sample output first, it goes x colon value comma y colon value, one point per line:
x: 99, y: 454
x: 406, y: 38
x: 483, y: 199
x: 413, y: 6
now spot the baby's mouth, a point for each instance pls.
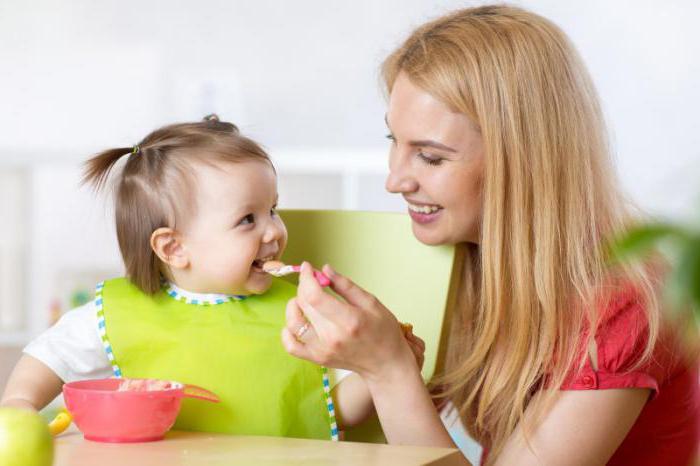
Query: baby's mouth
x: 258, y: 263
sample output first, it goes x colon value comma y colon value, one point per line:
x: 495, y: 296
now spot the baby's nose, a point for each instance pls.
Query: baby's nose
x: 272, y: 233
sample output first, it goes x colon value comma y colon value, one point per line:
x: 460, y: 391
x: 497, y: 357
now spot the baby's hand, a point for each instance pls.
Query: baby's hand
x: 416, y: 344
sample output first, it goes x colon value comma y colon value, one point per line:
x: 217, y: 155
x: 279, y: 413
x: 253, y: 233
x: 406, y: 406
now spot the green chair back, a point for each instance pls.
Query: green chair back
x: 379, y: 252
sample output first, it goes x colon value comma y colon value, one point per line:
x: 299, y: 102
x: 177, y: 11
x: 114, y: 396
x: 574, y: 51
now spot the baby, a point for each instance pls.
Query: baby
x: 195, y: 218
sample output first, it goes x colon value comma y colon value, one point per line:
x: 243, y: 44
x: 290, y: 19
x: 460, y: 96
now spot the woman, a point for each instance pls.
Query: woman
x: 498, y: 146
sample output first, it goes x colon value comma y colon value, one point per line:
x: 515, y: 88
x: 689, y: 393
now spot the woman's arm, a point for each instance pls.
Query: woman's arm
x: 32, y: 385
x: 400, y: 397
x: 583, y: 428
x: 406, y: 410
x: 361, y: 335
x: 352, y: 398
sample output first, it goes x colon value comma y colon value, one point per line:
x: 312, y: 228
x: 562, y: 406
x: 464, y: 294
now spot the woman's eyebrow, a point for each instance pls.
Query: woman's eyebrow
x: 423, y: 142
x: 431, y: 143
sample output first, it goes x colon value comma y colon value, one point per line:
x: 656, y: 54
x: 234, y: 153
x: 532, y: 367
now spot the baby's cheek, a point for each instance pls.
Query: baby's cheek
x: 235, y: 272
x: 223, y: 269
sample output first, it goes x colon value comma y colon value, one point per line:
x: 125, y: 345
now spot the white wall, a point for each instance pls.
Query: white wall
x: 81, y: 75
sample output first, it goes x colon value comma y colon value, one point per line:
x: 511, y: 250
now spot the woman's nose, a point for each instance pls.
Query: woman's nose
x: 400, y: 179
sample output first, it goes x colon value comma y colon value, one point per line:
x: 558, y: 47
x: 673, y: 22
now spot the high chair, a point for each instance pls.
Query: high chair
x: 379, y: 252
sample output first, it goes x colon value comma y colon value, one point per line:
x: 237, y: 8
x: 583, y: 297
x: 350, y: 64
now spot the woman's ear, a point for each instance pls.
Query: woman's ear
x: 167, y: 244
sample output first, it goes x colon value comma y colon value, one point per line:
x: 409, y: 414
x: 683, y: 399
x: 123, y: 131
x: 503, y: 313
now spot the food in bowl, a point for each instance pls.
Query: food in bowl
x: 128, y: 410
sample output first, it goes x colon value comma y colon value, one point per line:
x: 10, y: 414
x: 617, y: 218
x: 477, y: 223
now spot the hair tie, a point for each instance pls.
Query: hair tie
x: 136, y: 149
x: 212, y: 117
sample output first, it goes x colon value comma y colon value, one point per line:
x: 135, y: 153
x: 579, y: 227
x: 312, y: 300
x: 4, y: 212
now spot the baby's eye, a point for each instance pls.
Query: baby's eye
x: 391, y: 138
x: 247, y: 220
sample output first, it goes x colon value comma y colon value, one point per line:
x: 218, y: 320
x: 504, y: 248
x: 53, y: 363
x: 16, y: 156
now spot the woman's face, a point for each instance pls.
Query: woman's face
x: 436, y: 163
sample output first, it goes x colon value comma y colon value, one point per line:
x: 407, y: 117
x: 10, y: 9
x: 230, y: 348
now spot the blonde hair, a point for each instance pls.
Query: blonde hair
x: 538, y: 278
x: 153, y: 189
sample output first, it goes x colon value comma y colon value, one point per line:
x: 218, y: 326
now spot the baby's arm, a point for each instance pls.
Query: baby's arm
x: 70, y: 350
x: 32, y: 385
x: 351, y: 397
x: 352, y: 400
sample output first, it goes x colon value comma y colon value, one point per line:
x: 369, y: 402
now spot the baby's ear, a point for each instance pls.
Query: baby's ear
x: 167, y: 245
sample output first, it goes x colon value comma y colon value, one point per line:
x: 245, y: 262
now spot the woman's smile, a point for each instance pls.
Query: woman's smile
x: 423, y: 213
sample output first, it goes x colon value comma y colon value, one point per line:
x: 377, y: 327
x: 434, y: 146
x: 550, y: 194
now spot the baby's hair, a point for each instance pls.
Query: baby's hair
x: 153, y: 188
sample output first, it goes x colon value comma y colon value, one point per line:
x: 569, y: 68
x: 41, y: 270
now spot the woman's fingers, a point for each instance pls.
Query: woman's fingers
x: 417, y: 346
x: 324, y: 311
x: 299, y: 337
x: 418, y: 349
x: 346, y: 288
x: 297, y: 324
x: 295, y: 317
x: 310, y: 295
x: 294, y: 346
x: 416, y: 340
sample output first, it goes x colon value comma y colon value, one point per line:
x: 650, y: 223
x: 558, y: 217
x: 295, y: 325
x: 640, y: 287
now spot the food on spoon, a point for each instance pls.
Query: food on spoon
x: 280, y: 269
x: 272, y: 267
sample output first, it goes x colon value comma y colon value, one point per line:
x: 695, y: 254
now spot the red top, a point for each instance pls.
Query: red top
x: 668, y: 428
x: 667, y: 431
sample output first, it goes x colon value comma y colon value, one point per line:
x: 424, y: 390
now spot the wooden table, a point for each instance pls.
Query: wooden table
x: 197, y: 448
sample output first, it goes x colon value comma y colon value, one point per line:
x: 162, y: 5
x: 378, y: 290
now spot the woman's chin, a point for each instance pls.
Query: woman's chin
x: 436, y: 237
x: 429, y: 236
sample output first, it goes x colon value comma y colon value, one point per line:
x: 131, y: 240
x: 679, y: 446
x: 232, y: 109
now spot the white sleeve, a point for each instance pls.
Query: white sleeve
x: 336, y: 375
x: 72, y: 348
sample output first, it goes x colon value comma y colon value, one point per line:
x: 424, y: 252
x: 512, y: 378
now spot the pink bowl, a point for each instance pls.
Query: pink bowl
x: 104, y: 414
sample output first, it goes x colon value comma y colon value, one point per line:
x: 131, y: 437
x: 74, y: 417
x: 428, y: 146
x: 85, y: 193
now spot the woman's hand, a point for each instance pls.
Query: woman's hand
x: 417, y: 346
x: 356, y: 333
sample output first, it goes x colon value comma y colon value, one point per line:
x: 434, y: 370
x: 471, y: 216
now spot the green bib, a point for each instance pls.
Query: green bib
x: 230, y: 347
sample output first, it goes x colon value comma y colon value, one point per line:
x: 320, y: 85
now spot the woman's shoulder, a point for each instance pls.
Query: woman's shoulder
x: 621, y: 354
x: 623, y: 330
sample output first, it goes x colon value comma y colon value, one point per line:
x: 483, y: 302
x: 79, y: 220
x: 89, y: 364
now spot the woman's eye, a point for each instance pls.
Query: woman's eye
x: 391, y: 138
x: 273, y: 211
x: 430, y: 160
x: 247, y: 220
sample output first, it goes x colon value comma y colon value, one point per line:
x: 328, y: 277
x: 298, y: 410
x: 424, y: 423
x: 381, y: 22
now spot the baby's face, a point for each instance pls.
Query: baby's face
x: 235, y: 228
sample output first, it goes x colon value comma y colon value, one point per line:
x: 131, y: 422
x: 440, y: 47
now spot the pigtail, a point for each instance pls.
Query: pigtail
x: 97, y: 169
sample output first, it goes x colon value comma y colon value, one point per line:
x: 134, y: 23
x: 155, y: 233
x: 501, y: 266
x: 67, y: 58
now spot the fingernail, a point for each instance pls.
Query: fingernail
x: 330, y: 270
x: 305, y: 266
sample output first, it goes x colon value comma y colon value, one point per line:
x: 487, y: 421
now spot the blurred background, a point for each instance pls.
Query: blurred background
x: 302, y: 78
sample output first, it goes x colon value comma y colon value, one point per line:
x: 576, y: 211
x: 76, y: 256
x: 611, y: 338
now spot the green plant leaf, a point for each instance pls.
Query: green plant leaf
x: 683, y: 284
x: 689, y: 267
x: 639, y: 241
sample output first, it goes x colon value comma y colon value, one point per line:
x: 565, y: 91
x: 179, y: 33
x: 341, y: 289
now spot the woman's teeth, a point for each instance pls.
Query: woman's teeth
x: 424, y: 209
